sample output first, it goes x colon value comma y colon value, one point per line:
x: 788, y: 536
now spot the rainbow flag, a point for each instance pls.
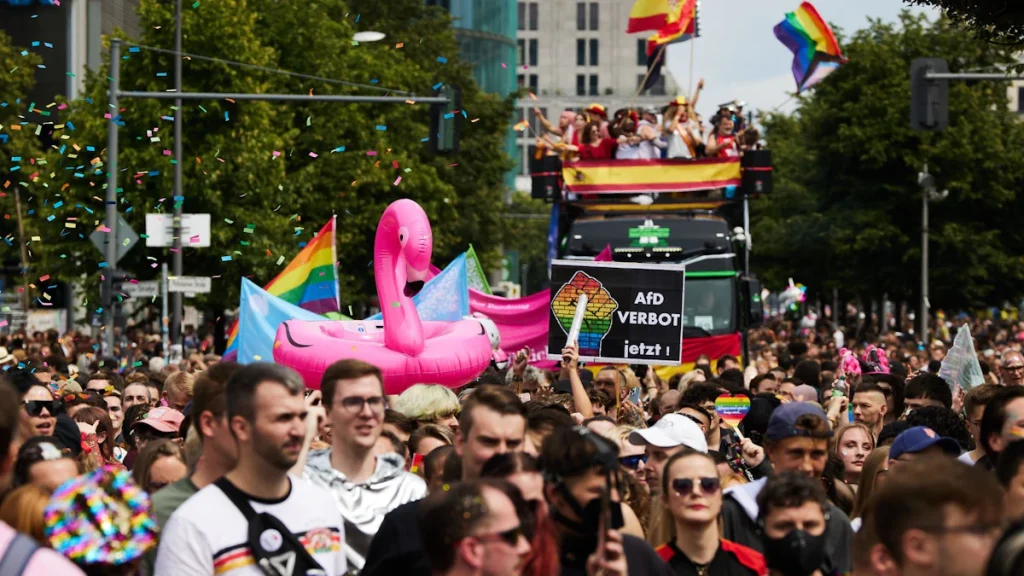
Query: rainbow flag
x: 816, y: 53
x: 310, y: 280
x: 648, y: 15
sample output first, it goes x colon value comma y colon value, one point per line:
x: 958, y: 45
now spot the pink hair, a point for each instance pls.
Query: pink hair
x: 876, y: 360
x: 848, y: 363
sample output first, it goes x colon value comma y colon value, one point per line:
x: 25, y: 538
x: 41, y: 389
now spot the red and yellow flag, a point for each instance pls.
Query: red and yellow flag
x: 682, y: 20
x: 648, y: 15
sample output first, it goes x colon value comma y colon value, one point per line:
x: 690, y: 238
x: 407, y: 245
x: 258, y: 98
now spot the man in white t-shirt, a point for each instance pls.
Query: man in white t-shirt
x: 209, y: 533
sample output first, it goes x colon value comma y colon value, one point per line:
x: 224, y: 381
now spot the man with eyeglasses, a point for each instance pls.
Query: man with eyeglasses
x: 1012, y: 368
x: 473, y: 529
x: 935, y: 516
x: 365, y: 486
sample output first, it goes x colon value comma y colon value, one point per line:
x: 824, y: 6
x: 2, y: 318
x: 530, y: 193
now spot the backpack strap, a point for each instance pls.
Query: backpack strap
x: 17, y: 555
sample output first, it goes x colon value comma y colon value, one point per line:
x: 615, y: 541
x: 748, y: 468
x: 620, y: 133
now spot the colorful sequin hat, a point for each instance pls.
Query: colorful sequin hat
x: 101, y: 517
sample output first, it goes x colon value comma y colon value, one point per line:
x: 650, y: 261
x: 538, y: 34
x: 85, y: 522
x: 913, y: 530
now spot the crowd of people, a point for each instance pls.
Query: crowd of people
x: 855, y: 460
x: 674, y: 131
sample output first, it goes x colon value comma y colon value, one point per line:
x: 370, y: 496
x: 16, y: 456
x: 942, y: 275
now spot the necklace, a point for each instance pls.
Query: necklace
x: 702, y: 569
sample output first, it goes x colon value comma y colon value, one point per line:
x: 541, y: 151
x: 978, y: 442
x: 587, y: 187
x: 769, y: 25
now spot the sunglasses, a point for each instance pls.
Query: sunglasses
x: 35, y: 407
x: 708, y: 486
x: 510, y: 536
x: 632, y: 462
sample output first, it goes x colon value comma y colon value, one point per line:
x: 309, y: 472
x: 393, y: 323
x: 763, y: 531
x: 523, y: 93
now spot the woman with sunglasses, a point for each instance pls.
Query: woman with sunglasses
x: 632, y: 457
x: 692, y: 497
x: 38, y: 411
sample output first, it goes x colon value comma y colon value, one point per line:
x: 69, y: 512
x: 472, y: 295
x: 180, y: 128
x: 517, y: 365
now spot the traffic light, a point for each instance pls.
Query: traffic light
x: 929, y: 99
x: 446, y: 122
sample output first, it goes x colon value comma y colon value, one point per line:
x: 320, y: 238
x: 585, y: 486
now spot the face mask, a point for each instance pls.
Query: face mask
x: 795, y: 554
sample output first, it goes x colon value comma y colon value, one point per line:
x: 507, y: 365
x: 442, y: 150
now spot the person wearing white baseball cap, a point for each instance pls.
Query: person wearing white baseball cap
x: 669, y: 436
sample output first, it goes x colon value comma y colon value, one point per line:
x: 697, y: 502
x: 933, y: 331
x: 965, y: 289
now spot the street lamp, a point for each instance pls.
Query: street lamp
x: 928, y: 193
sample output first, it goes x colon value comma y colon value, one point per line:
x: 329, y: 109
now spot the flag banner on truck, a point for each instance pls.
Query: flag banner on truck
x: 646, y: 176
x: 633, y: 314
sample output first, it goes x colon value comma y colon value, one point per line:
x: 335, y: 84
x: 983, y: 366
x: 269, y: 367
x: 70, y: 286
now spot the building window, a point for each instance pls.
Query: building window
x: 531, y: 151
x: 581, y: 52
x: 521, y: 160
x: 593, y: 52
x: 533, y: 16
x: 522, y: 15
x: 521, y: 83
x: 533, y: 52
x: 581, y: 85
x: 641, y: 52
x: 533, y: 83
x: 581, y: 16
x: 1020, y: 100
x: 593, y: 84
x: 593, y: 15
x: 520, y: 52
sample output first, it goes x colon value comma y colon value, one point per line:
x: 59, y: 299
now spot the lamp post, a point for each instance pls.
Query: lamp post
x: 928, y: 194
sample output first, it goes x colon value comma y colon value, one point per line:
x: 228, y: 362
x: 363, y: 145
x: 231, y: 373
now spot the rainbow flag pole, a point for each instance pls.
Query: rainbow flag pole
x: 310, y: 280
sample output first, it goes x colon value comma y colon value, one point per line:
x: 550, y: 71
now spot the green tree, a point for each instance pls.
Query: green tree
x: 459, y: 193
x: 271, y: 174
x: 524, y: 229
x: 847, y: 212
x: 16, y: 139
x: 994, y: 20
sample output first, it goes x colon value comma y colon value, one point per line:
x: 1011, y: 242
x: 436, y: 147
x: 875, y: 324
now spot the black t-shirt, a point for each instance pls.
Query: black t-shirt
x: 396, y: 548
x: 640, y: 559
x: 731, y: 559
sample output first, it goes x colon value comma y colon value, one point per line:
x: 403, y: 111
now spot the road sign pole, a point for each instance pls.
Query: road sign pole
x: 111, y: 196
x: 179, y: 194
x: 163, y: 312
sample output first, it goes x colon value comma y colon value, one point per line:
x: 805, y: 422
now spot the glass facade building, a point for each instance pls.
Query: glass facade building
x: 486, y: 30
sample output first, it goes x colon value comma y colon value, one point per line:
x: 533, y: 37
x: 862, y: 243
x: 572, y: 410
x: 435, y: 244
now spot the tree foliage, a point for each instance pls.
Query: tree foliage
x: 271, y: 174
x: 847, y: 209
x: 993, y: 20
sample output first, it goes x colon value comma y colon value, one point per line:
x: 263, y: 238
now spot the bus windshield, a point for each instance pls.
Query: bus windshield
x: 709, y: 306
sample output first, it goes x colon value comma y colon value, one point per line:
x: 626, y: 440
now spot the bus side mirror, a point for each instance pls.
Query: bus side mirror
x: 750, y: 295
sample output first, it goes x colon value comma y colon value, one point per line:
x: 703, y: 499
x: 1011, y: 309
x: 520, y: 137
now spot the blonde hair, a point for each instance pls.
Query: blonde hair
x: 877, y: 461
x: 838, y: 436
x: 427, y: 402
x: 688, y: 379
x: 620, y: 433
x: 181, y: 382
x: 23, y: 508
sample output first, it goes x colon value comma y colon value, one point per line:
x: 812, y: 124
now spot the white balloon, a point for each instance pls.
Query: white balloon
x: 368, y: 36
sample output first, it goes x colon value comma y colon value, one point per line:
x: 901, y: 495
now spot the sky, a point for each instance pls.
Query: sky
x: 739, y: 57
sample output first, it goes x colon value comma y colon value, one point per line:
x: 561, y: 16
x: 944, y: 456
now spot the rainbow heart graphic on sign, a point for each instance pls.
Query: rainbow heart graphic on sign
x: 732, y: 409
x: 597, y: 320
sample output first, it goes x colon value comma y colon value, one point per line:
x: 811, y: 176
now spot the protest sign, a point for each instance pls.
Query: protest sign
x: 633, y: 315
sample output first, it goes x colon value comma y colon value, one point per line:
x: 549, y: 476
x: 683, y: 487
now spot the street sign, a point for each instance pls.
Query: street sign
x: 126, y: 239
x: 633, y: 314
x: 195, y: 230
x: 145, y: 289
x: 192, y: 284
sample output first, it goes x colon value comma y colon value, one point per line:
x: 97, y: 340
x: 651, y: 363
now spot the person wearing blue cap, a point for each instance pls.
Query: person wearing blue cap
x: 920, y: 441
x: 796, y: 441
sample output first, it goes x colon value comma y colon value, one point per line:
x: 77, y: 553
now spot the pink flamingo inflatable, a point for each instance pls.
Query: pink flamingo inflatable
x: 406, y: 350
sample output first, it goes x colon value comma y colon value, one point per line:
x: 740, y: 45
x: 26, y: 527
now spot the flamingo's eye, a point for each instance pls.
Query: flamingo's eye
x: 403, y: 236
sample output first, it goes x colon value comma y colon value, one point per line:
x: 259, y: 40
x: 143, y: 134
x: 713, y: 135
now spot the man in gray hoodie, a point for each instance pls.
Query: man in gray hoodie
x: 366, y: 487
x: 796, y: 440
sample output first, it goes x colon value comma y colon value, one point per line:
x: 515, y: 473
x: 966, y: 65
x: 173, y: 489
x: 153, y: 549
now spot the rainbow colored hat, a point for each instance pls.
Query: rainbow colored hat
x: 101, y: 517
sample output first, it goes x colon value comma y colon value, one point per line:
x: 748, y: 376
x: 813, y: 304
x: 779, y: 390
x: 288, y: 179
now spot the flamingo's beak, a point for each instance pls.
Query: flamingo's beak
x: 415, y: 279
